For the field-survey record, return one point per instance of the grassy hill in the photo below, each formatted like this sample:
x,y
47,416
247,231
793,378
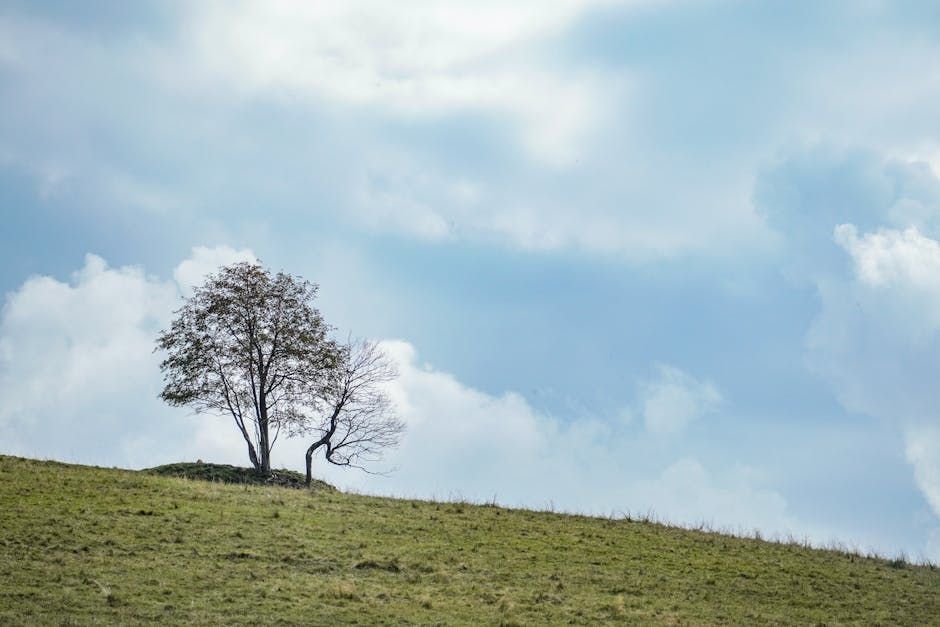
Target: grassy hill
x,y
82,545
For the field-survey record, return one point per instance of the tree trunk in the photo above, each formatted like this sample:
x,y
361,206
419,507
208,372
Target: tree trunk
x,y
265,465
264,444
310,451
324,441
253,456
309,465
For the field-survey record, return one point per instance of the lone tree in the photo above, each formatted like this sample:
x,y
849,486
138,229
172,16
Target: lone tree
x,y
359,419
250,344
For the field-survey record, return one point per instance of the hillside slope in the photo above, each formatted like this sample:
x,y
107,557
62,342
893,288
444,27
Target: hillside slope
x,y
82,545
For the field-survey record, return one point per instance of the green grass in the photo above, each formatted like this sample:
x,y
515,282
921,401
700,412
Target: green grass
x,y
82,545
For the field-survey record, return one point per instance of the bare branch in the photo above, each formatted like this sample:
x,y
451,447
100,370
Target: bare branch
x,y
359,423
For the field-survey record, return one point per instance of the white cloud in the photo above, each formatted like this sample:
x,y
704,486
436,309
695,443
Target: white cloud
x,y
185,91
892,257
876,338
411,58
204,261
361,86
77,362
330,76
923,452
78,373
674,399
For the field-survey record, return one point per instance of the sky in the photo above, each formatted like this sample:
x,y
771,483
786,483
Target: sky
x,y
670,258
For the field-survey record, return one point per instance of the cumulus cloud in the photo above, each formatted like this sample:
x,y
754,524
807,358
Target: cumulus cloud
x,y
877,336
674,399
877,339
77,369
893,258
76,363
864,240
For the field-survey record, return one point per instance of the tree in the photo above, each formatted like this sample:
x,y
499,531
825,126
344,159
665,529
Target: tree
x,y
359,421
250,344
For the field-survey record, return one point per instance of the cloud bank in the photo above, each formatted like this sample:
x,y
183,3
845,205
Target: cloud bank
x,y
80,379
583,126
410,59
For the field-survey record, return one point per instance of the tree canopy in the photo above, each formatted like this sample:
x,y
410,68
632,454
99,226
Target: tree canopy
x,y
250,344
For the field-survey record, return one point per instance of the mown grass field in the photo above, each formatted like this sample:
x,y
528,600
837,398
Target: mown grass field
x,y
82,545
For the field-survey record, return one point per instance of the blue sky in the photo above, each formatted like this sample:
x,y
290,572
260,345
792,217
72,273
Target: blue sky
x,y
681,257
